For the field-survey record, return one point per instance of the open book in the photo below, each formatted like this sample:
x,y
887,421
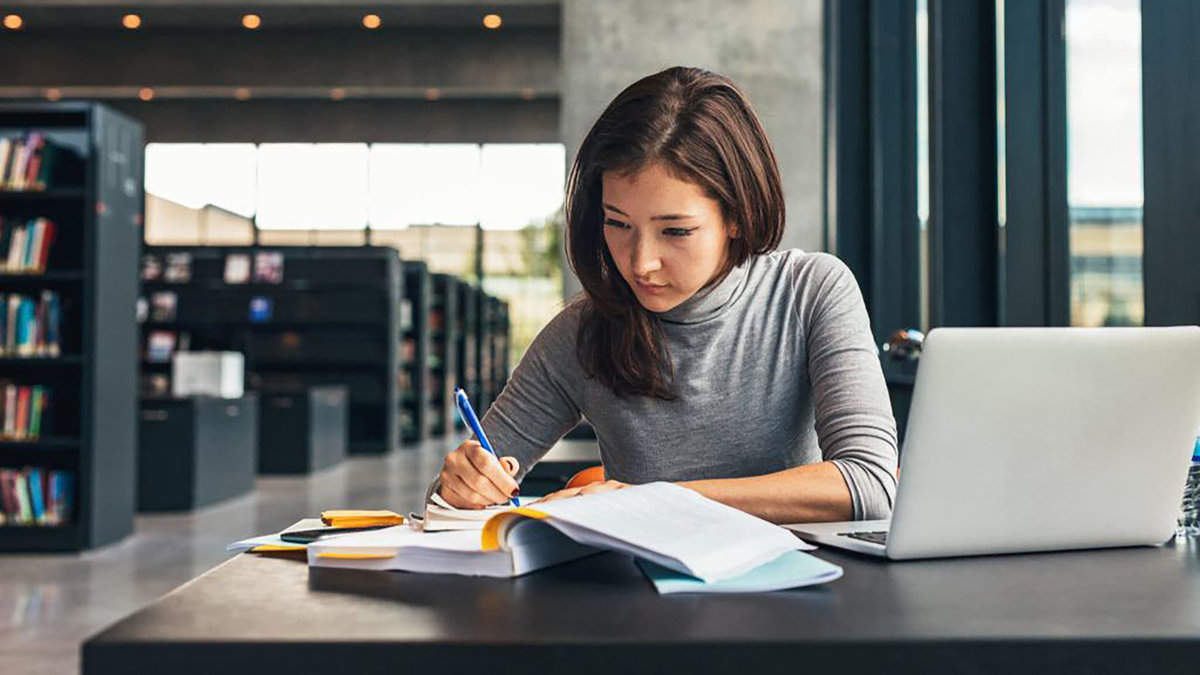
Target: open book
x,y
664,523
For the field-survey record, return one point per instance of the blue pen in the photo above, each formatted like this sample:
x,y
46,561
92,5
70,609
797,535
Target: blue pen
x,y
468,417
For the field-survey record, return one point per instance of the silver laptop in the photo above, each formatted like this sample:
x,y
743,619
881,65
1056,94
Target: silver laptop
x,y
1039,439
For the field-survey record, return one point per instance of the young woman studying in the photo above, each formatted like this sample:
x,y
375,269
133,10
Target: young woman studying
x,y
698,353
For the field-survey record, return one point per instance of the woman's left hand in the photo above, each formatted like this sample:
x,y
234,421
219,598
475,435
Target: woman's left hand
x,y
589,489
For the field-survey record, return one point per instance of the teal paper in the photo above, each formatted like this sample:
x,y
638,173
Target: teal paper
x,y
790,570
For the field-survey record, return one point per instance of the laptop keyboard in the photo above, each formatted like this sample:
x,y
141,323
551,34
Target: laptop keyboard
x,y
873,537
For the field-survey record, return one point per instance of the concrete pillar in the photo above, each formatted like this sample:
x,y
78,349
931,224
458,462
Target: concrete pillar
x,y
771,48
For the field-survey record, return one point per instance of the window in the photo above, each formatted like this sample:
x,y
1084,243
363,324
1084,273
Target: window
x,y
1104,161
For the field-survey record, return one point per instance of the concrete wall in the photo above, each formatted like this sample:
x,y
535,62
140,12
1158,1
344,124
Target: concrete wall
x,y
771,48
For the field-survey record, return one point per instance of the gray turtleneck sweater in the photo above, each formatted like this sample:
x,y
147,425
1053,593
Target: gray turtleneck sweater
x,y
775,367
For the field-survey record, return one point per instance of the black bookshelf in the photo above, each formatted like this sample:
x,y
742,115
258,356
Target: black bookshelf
x,y
466,337
414,372
94,197
493,348
443,354
331,319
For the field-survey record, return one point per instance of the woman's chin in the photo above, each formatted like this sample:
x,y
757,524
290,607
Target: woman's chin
x,y
659,303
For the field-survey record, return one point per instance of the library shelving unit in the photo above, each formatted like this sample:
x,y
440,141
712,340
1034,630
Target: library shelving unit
x,y
93,194
414,372
494,337
466,335
302,316
443,356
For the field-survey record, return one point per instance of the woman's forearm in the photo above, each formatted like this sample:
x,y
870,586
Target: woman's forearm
x,y
804,494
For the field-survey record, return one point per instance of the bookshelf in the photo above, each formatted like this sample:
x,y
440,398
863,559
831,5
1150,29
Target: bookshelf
x,y
443,354
302,316
414,372
466,336
493,348
84,280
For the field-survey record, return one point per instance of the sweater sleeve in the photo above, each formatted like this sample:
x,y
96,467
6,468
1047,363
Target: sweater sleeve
x,y
536,408
853,414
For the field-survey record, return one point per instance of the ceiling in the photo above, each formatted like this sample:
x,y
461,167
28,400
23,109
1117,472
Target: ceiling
x,y
41,15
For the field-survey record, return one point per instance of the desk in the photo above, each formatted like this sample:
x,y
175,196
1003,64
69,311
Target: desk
x,y
1121,611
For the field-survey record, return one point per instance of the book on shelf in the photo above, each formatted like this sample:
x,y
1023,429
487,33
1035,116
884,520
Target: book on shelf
x,y
237,268
163,305
155,385
36,496
23,411
25,247
29,326
141,310
268,267
261,309
152,267
160,345
178,268
28,163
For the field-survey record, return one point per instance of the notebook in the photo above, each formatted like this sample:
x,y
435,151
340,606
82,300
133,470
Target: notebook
x,y
661,522
440,516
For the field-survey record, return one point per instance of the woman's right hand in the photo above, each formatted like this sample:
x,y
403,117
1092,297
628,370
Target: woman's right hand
x,y
471,478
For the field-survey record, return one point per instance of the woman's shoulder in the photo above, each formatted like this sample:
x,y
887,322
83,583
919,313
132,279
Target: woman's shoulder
x,y
809,271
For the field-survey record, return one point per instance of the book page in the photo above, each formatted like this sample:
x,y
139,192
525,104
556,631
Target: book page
x,y
674,526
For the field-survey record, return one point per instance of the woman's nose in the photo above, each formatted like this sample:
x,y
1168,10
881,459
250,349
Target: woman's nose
x,y
645,257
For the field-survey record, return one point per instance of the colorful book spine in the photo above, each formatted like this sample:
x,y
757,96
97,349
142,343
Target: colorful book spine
x,y
30,327
25,247
36,496
23,411
26,164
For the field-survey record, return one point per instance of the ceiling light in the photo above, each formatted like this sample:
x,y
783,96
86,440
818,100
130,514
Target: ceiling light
x,y
131,21
492,21
372,21
252,21
145,93
13,22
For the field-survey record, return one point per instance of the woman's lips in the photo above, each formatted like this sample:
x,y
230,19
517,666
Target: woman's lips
x,y
653,289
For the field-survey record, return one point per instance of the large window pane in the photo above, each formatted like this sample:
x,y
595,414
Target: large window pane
x,y
312,186
1104,161
414,184
198,174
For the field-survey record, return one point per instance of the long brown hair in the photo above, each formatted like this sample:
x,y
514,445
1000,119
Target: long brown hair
x,y
700,126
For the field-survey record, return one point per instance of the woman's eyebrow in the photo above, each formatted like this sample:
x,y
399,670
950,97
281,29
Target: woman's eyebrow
x,y
665,216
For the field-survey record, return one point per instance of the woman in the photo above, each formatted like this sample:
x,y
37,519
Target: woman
x,y
698,353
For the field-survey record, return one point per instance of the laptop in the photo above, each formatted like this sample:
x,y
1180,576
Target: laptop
x,y
1039,439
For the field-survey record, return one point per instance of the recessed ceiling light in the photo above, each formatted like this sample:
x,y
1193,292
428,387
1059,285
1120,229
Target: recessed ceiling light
x,y
432,94
131,21
372,21
13,22
145,93
53,94
252,21
492,21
